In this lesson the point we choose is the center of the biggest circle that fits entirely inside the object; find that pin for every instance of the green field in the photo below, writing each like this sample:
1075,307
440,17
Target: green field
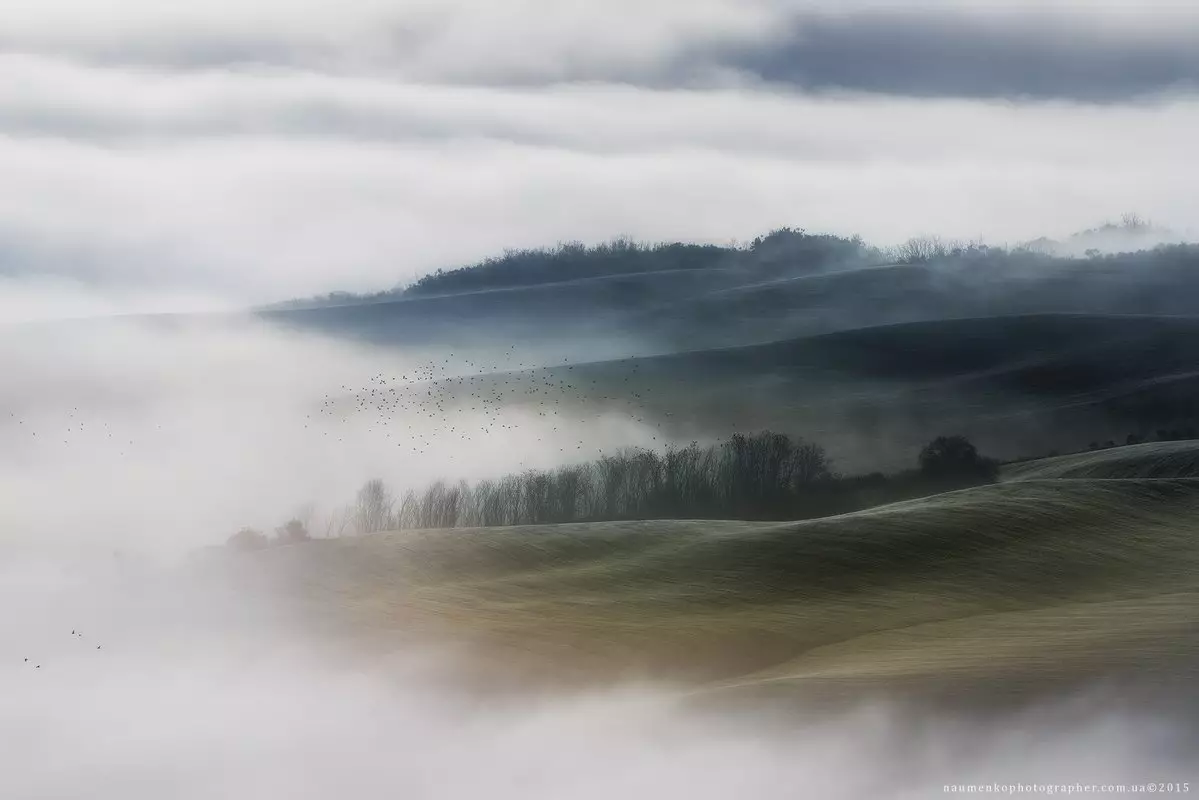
1028,581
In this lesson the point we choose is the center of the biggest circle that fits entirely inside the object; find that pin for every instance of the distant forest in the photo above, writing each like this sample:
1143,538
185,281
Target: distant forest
779,252
782,252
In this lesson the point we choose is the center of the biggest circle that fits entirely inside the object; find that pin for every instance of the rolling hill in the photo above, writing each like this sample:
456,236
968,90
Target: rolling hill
1030,582
1148,460
665,304
1018,386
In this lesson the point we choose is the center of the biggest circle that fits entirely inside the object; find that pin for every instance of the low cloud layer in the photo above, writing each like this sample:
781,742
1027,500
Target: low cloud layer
224,154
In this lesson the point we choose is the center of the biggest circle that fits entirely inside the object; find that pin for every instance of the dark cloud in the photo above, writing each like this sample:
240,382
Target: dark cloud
934,52
968,55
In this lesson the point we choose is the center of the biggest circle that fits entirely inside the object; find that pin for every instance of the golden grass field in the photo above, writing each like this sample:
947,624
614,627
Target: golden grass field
1037,579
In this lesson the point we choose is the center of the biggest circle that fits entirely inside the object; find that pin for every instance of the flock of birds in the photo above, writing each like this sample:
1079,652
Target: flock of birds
74,423
34,665
466,400
435,404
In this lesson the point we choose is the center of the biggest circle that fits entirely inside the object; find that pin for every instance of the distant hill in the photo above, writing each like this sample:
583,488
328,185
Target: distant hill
784,251
729,303
1019,386
1132,234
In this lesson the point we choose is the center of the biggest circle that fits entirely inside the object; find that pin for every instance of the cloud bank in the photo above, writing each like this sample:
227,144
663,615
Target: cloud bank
229,154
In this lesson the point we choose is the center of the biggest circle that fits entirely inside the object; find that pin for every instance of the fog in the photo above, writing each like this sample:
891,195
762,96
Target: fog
165,166
164,434
142,684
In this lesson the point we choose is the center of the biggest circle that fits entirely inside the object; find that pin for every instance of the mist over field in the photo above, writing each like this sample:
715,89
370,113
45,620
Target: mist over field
134,445
197,692
720,399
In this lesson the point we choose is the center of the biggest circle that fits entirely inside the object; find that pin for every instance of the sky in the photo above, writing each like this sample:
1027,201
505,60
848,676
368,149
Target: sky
165,156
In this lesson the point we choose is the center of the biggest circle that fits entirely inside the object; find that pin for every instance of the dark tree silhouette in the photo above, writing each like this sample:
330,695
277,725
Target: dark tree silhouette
955,459
293,532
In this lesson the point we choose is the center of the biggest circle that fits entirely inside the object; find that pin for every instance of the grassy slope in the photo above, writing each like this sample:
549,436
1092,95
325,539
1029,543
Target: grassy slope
1149,460
1035,579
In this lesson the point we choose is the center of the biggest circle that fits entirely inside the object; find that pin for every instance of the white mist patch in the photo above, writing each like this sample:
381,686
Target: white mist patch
198,693
47,298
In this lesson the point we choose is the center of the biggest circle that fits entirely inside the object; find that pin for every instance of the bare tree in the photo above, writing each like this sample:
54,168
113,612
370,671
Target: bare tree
372,509
337,522
407,516
1134,222
810,463
919,249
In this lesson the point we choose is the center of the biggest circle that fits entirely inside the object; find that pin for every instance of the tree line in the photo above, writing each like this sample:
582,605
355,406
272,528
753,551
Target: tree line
761,476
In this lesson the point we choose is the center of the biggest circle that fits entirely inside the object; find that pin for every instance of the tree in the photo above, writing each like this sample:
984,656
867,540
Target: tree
293,532
921,249
955,458
1134,222
372,510
337,522
248,539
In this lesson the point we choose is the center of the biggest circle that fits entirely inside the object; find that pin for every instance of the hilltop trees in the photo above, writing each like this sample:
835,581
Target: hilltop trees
783,251
955,459
569,261
293,531
248,539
